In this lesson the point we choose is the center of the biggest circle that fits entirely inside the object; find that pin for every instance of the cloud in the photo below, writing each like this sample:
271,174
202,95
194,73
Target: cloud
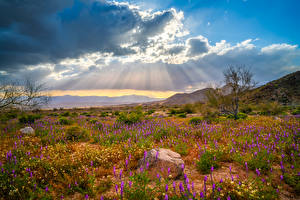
197,46
49,31
85,44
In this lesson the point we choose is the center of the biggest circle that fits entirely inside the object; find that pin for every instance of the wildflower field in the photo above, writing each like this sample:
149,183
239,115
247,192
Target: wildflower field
81,155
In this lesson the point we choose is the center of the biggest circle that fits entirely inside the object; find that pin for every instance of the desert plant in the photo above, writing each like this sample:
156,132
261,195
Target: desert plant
196,120
65,121
27,118
75,133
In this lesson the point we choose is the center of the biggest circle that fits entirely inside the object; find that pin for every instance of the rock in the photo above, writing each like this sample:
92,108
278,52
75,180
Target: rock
27,130
162,161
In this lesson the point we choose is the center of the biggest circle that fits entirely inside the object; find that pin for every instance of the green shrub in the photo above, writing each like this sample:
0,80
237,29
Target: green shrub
270,108
240,115
150,112
246,109
140,189
29,118
132,117
292,180
103,114
182,115
66,114
296,111
196,120
93,121
75,133
187,108
206,161
182,149
65,121
262,160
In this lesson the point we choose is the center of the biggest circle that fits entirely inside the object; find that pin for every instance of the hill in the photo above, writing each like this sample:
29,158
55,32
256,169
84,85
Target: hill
185,98
285,90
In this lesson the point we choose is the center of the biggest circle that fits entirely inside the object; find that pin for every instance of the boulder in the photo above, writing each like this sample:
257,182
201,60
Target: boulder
161,161
27,130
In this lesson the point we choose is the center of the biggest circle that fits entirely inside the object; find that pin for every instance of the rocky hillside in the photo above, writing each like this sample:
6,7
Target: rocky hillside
285,90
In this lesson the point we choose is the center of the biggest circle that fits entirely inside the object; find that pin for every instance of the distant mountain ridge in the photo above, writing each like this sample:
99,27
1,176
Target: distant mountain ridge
185,98
69,101
285,90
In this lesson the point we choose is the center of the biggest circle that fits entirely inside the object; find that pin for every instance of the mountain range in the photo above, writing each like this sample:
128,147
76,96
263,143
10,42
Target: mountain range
285,90
69,101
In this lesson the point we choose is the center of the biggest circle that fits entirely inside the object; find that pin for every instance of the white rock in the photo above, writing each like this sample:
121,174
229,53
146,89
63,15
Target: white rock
27,130
162,161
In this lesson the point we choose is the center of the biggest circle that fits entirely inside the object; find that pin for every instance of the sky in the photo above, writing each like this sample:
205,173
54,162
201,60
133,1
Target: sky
150,47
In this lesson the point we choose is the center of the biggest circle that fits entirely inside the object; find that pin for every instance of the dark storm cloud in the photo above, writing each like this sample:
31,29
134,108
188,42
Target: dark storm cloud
46,31
198,46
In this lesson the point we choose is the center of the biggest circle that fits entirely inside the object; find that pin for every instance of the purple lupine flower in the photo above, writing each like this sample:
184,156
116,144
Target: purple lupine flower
145,155
188,187
114,168
169,170
130,183
116,188
167,187
182,166
126,163
181,189
121,171
166,197
201,195
147,165
174,186
212,168
257,171
281,177
46,189
86,196
228,198
122,188
92,163
193,186
156,156
221,180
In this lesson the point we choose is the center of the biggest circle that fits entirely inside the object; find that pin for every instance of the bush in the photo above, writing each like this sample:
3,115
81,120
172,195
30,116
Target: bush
132,117
196,120
246,109
296,111
270,108
66,114
206,161
240,115
187,108
65,121
29,118
182,149
182,115
103,114
75,133
150,112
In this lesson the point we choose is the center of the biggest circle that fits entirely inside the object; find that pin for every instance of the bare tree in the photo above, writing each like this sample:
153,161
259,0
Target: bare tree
238,80
23,95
